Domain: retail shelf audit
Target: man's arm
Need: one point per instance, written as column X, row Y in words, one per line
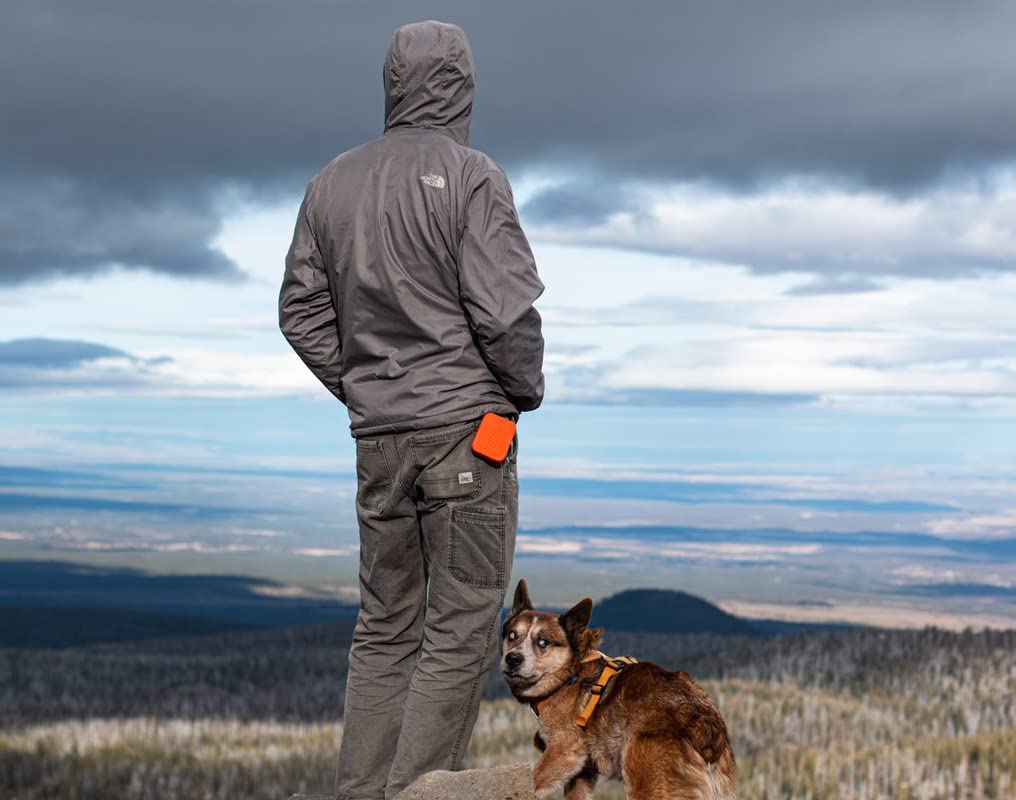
column 498, row 284
column 306, row 314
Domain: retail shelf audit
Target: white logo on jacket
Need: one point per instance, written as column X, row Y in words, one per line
column 437, row 181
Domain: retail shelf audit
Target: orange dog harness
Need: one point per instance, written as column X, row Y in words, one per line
column 610, row 669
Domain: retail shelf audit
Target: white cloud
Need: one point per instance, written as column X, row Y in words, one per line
column 544, row 544
column 706, row 551
column 620, row 320
column 324, row 552
column 868, row 614
column 1001, row 525
column 910, row 574
column 806, row 225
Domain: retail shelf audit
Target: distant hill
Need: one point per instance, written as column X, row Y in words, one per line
column 51, row 604
column 88, row 595
column 49, row 626
column 666, row 611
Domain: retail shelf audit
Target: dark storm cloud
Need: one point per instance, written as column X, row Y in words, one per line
column 113, row 109
column 50, row 228
column 576, row 203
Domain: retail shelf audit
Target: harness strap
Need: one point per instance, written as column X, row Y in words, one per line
column 610, row 669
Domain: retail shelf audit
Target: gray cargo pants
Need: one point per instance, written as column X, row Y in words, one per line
column 437, row 540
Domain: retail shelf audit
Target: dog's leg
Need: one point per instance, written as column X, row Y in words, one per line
column 580, row 787
column 558, row 763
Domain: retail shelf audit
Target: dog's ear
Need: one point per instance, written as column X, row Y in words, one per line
column 521, row 601
column 576, row 618
column 575, row 622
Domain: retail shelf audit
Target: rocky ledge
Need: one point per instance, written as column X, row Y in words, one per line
column 509, row 782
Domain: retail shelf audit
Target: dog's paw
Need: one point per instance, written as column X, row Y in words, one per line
column 538, row 742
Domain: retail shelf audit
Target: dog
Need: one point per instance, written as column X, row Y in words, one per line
column 655, row 730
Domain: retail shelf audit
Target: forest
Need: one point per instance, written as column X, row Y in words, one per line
column 861, row 713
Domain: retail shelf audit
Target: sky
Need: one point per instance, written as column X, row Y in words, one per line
column 778, row 241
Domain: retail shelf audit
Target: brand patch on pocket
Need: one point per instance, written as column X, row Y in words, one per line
column 465, row 477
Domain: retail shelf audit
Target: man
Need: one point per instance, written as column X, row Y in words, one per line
column 409, row 291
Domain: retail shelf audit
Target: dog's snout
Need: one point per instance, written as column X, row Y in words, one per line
column 513, row 660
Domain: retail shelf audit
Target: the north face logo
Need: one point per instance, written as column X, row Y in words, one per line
column 437, row 181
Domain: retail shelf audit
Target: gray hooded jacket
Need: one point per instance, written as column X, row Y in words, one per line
column 409, row 284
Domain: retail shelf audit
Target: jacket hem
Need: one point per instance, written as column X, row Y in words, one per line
column 373, row 428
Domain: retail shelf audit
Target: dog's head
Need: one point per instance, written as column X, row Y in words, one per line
column 540, row 650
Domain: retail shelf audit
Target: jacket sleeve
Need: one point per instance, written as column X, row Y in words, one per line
column 306, row 314
column 498, row 284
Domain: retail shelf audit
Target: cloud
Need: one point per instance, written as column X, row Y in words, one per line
column 595, row 548
column 881, row 616
column 594, row 384
column 835, row 284
column 69, row 364
column 325, row 552
column 1000, row 525
column 527, row 543
column 581, row 202
column 65, row 227
column 775, row 370
column 127, row 122
column 700, row 491
column 924, row 575
column 50, row 353
column 849, row 236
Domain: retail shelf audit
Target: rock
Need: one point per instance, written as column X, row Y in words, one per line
column 508, row 782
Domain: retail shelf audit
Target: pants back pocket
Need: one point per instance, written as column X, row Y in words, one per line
column 476, row 546
column 373, row 475
column 449, row 468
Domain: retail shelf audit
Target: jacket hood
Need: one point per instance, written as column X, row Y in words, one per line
column 429, row 79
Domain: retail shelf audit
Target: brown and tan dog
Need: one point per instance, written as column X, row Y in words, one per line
column 653, row 729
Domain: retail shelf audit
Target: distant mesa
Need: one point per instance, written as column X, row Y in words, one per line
column 666, row 611
column 54, row 604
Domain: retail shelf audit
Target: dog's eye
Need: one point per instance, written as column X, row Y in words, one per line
column 541, row 642
column 511, row 634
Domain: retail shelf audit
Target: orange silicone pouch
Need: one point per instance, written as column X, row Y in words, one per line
column 493, row 437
